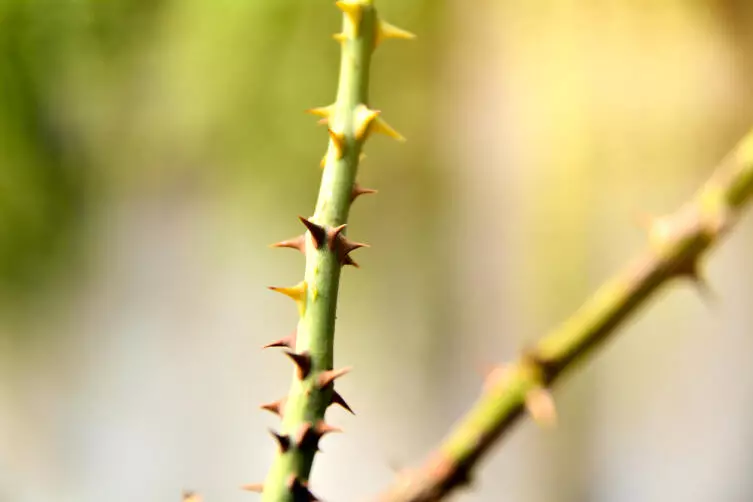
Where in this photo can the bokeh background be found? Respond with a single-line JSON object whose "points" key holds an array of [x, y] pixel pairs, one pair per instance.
{"points": [[151, 150]]}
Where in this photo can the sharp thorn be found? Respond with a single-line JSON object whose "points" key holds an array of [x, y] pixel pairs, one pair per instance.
{"points": [[276, 407], [380, 126], [288, 341], [338, 399], [323, 111], [298, 243], [297, 293], [327, 377], [282, 441], [358, 190], [333, 235], [386, 31], [300, 490], [302, 361], [318, 233]]}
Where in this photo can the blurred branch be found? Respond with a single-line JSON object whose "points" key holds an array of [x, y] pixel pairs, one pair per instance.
{"points": [[677, 243]]}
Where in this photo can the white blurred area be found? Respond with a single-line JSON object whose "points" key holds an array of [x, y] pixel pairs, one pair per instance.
{"points": [[550, 127]]}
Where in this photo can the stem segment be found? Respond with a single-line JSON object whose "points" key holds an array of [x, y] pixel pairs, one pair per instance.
{"points": [[349, 122], [678, 241]]}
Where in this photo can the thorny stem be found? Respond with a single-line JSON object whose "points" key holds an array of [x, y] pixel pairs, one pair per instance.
{"points": [[677, 242], [349, 122]]}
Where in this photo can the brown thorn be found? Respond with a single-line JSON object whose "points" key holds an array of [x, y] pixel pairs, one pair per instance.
{"points": [[300, 490], [333, 235], [358, 190], [302, 362], [298, 243], [288, 341], [338, 399], [350, 261], [282, 441], [275, 407], [318, 233], [327, 377], [690, 270], [348, 246]]}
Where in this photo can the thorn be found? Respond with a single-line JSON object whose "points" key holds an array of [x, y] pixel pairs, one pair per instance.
{"points": [[253, 487], [386, 30], [349, 246], [383, 127], [350, 261], [322, 428], [364, 117], [308, 436], [288, 341], [276, 407], [318, 233], [338, 399], [302, 362], [540, 404], [496, 376], [339, 243], [340, 37], [322, 111], [298, 243], [300, 490], [323, 162], [333, 235], [690, 270], [361, 157], [327, 377], [352, 11], [297, 293], [358, 190], [282, 441], [338, 142]]}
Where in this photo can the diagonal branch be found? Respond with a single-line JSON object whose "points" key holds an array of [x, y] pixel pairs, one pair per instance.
{"points": [[677, 243]]}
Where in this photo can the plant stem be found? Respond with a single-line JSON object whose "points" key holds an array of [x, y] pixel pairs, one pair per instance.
{"points": [[350, 122], [677, 242]]}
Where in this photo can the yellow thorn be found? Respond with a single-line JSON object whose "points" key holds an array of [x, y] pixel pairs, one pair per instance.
{"points": [[363, 119], [322, 111], [352, 10], [340, 37], [383, 127], [361, 157], [338, 141], [386, 30], [323, 162], [297, 293], [540, 405]]}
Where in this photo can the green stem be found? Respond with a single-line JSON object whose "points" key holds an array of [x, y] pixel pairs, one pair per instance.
{"points": [[678, 241], [349, 122]]}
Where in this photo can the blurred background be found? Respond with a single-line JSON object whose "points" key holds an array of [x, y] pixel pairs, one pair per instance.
{"points": [[151, 150]]}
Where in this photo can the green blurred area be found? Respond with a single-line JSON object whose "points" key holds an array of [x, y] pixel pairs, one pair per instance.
{"points": [[100, 99]]}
